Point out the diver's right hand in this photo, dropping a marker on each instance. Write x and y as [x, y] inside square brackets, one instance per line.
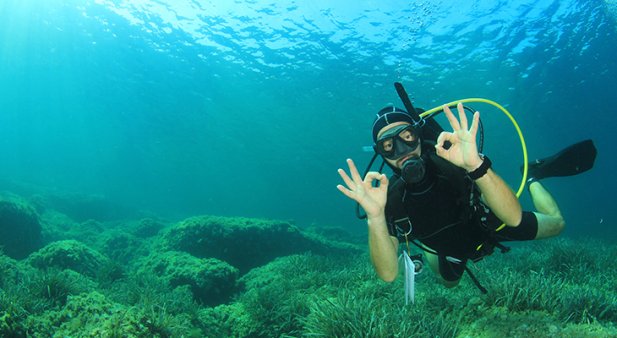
[372, 199]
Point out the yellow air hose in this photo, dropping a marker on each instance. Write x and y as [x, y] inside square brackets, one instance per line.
[516, 126]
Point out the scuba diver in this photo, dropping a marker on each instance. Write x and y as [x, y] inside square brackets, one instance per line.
[444, 195]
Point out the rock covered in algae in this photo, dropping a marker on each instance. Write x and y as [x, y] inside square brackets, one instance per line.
[20, 230]
[148, 227]
[69, 254]
[245, 242]
[212, 281]
[9, 270]
[93, 315]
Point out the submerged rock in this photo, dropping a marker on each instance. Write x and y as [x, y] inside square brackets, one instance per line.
[244, 242]
[69, 254]
[122, 247]
[212, 281]
[148, 227]
[20, 230]
[9, 270]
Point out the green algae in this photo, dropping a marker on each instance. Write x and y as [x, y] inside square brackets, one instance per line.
[20, 227]
[211, 281]
[170, 283]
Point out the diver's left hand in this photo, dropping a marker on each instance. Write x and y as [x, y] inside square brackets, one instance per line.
[463, 152]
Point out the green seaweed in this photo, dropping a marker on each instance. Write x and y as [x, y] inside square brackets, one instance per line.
[152, 288]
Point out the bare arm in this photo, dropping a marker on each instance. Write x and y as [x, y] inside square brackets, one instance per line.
[464, 153]
[383, 249]
[500, 198]
[382, 246]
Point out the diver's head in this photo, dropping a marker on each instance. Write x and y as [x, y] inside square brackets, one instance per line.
[396, 136]
[397, 140]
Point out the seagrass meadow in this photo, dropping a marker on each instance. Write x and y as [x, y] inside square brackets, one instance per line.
[151, 277]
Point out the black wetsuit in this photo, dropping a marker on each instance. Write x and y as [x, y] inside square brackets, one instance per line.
[446, 215]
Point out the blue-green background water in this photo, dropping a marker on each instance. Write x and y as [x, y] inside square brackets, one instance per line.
[247, 108]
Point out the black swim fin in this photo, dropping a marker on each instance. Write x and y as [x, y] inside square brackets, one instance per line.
[573, 160]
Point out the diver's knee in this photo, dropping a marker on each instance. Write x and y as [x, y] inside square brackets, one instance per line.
[555, 228]
[560, 226]
[549, 226]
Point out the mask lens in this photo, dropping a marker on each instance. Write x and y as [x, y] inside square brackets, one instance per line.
[385, 147]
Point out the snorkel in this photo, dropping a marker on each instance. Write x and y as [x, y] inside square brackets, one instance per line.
[413, 170]
[400, 90]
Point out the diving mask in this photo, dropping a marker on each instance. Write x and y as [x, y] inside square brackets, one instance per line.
[397, 142]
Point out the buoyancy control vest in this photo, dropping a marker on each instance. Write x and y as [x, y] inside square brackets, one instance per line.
[444, 212]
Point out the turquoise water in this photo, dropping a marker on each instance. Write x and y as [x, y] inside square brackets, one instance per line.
[247, 108]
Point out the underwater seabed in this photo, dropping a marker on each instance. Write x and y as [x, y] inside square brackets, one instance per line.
[214, 276]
